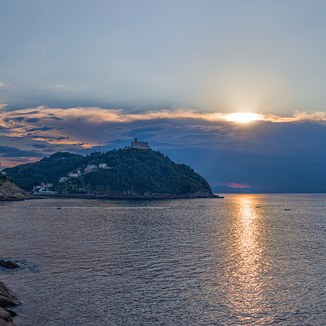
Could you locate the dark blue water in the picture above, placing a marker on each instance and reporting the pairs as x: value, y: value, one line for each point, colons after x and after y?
x: 242, y: 260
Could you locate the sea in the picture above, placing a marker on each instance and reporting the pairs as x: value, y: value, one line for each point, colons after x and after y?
x: 241, y: 260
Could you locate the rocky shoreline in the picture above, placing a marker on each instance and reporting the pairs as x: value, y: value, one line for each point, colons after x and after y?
x: 128, y: 196
x: 6, y: 299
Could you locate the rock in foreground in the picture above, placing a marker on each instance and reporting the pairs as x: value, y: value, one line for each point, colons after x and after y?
x: 6, y: 300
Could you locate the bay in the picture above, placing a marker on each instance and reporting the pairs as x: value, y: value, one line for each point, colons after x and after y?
x: 241, y: 260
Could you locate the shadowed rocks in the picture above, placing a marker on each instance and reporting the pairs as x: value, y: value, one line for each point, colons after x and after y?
x: 8, y: 264
x: 10, y: 192
x: 6, y: 300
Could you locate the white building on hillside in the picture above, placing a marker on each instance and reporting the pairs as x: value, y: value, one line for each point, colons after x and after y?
x: 63, y: 179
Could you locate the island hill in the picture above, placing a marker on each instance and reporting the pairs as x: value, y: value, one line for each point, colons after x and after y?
x: 132, y: 172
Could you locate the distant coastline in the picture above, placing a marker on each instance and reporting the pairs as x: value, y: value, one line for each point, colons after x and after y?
x: 134, y: 196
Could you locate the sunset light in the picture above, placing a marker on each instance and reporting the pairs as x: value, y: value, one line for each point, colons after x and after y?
x: 163, y: 162
x: 243, y: 117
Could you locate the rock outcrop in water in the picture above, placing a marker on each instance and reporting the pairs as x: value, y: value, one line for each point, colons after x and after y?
x: 8, y: 264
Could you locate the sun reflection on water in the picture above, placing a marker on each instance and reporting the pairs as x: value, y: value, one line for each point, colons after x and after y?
x: 245, y: 293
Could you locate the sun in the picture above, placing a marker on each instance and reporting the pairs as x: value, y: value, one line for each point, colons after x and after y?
x: 243, y: 117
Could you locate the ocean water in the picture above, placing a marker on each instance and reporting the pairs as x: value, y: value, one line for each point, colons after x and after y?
x: 241, y: 260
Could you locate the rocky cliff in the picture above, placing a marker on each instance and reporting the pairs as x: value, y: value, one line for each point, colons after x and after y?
x: 9, y: 191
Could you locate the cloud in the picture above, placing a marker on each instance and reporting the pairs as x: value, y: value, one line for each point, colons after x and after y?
x: 17, y: 119
x: 6, y: 151
x: 29, y: 112
x: 39, y: 145
x: 2, y: 85
x: 32, y: 120
x: 93, y: 125
x: 278, y: 153
x: 237, y: 185
x: 39, y: 129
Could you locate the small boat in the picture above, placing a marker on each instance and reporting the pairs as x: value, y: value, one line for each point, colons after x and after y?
x: 286, y: 209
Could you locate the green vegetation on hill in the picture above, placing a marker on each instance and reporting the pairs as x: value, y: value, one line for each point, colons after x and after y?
x: 130, y: 172
x: 3, y: 179
x: 49, y: 169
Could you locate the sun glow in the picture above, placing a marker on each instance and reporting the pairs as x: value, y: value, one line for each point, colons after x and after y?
x: 243, y: 117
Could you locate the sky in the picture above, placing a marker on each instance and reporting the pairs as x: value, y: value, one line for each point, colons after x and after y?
x: 81, y: 76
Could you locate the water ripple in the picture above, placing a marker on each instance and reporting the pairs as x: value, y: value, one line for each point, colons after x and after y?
x: 238, y: 261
